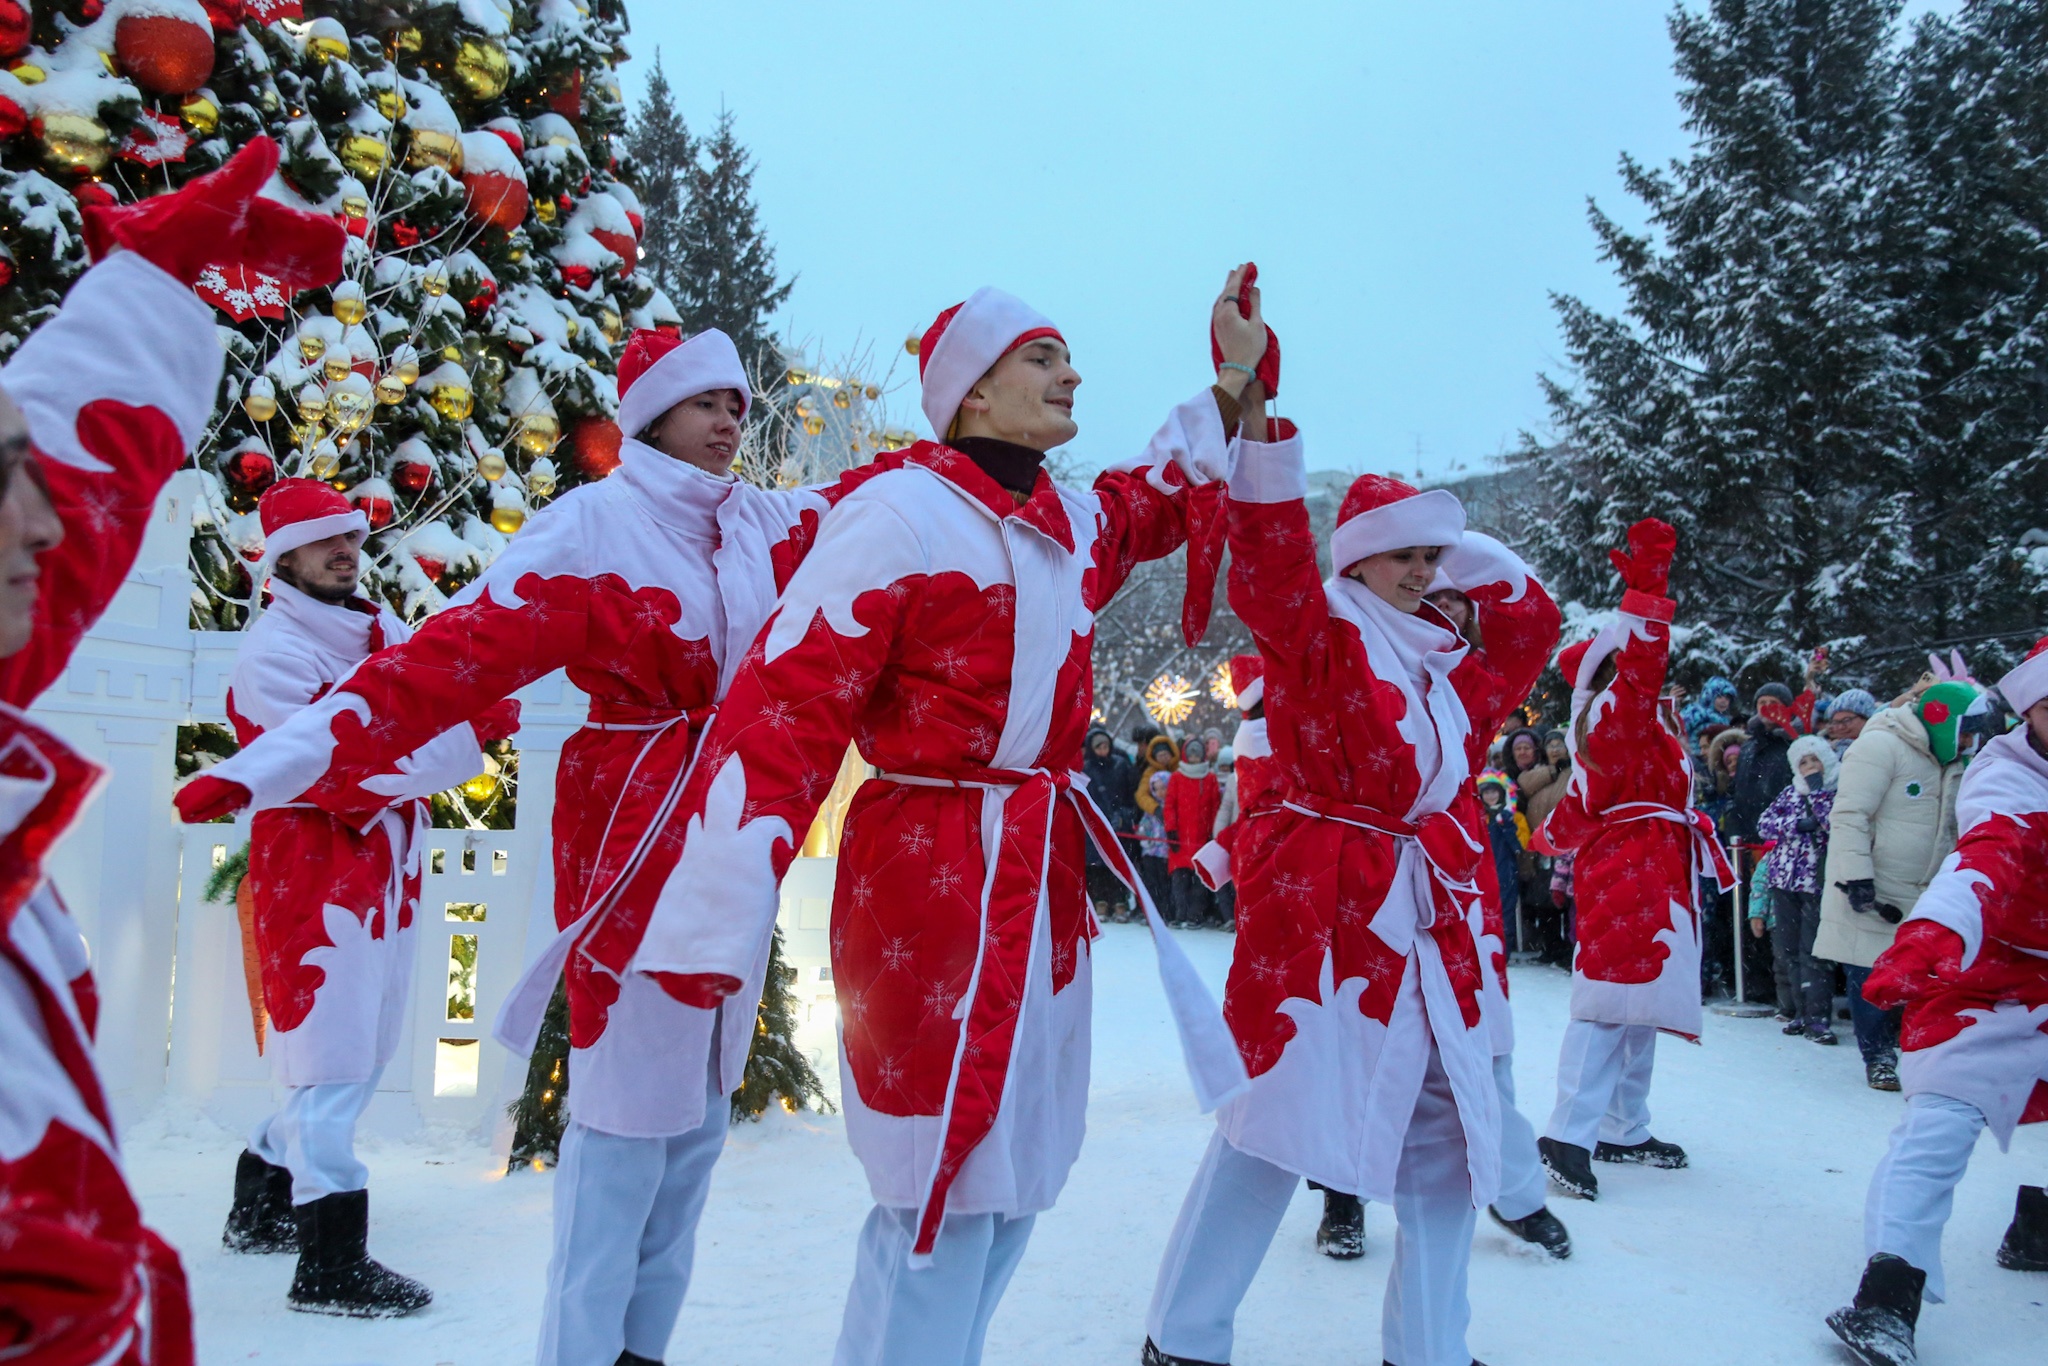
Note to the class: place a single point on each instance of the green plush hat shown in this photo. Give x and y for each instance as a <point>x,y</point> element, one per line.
<point>1940,710</point>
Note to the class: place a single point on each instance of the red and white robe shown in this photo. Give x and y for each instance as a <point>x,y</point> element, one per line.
<point>113,408</point>
<point>1981,1036</point>
<point>1641,846</point>
<point>335,897</point>
<point>1359,915</point>
<point>946,629</point>
<point>1256,785</point>
<point>646,586</point>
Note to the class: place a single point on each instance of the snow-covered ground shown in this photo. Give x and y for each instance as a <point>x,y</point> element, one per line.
<point>1733,1261</point>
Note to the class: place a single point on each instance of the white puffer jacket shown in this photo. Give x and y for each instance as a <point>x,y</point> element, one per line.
<point>1894,821</point>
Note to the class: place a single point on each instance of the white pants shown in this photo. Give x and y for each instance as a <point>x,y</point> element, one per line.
<point>1914,1186</point>
<point>897,1315</point>
<point>626,1212</point>
<point>1234,1208</point>
<point>1603,1084</point>
<point>314,1134</point>
<point>1523,1187</point>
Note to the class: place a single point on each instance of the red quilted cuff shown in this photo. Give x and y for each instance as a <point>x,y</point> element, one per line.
<point>1648,606</point>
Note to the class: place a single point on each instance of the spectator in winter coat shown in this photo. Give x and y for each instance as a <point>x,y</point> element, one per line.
<point>1723,752</point>
<point>1893,822</point>
<point>1508,835</point>
<point>1764,770</point>
<point>1161,756</point>
<point>1111,782</point>
<point>1797,824</point>
<point>1152,839</point>
<point>1846,717</point>
<point>1543,785</point>
<point>1713,710</point>
<point>1189,813</point>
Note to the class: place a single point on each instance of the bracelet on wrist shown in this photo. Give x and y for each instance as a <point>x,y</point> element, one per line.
<point>1246,370</point>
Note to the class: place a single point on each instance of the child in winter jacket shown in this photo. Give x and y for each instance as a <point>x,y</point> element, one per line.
<point>1189,816</point>
<point>1152,840</point>
<point>1508,835</point>
<point>1796,822</point>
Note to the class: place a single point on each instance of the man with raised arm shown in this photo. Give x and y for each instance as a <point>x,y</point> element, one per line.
<point>95,415</point>
<point>943,623</point>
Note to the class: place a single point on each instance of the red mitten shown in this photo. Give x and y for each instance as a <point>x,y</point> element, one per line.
<point>1646,567</point>
<point>704,990</point>
<point>1269,364</point>
<point>499,721</point>
<point>1925,954</point>
<point>207,798</point>
<point>221,219</point>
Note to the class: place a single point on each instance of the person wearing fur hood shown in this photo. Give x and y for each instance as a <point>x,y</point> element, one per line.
<point>1796,822</point>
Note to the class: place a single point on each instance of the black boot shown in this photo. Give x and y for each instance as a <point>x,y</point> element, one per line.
<point>261,1220</point>
<point>628,1359</point>
<point>336,1274</point>
<point>1878,1327</point>
<point>2026,1239</point>
<point>1342,1234</point>
<point>1152,1356</point>
<point>1651,1152</point>
<point>1570,1168</point>
<point>1882,1073</point>
<point>1542,1228</point>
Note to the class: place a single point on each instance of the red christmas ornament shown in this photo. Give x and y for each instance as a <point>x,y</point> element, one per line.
<point>17,28</point>
<point>6,272</point>
<point>621,245</point>
<point>163,54</point>
<point>249,470</point>
<point>578,277</point>
<point>594,443</point>
<point>568,101</point>
<point>498,200</point>
<point>356,227</point>
<point>94,193</point>
<point>89,11</point>
<point>565,204</point>
<point>404,233</point>
<point>378,510</point>
<point>486,295</point>
<point>413,477</point>
<point>430,566</point>
<point>639,222</point>
<point>13,122</point>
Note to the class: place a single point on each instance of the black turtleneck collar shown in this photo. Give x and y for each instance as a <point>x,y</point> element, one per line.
<point>1013,466</point>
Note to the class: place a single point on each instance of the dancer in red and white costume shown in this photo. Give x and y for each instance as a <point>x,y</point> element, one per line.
<point>1255,779</point>
<point>334,898</point>
<point>1970,966</point>
<point>106,412</point>
<point>647,586</point>
<point>1642,853</point>
<point>944,623</point>
<point>1355,989</point>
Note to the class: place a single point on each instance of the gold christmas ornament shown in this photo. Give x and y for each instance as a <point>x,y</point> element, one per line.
<point>911,343</point>
<point>324,48</point>
<point>348,411</point>
<point>336,367</point>
<point>452,401</point>
<point>350,307</point>
<point>571,327</point>
<point>312,402</point>
<point>312,346</point>
<point>390,103</point>
<point>491,465</point>
<point>430,147</point>
<point>73,142</point>
<point>407,370</point>
<point>796,376</point>
<point>201,113</point>
<point>508,519</point>
<point>536,433</point>
<point>435,281</point>
<point>611,324</point>
<point>390,390</point>
<point>406,41</point>
<point>483,786</point>
<point>260,403</point>
<point>28,73</point>
<point>540,482</point>
<point>544,210</point>
<point>355,206</point>
<point>841,399</point>
<point>482,68</point>
<point>326,461</point>
<point>364,155</point>
<point>814,425</point>
<point>872,393</point>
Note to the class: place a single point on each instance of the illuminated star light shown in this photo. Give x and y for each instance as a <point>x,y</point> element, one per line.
<point>1170,699</point>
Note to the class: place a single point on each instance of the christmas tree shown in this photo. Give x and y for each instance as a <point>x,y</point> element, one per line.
<point>460,374</point>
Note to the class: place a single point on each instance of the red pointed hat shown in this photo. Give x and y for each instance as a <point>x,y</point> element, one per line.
<point>298,512</point>
<point>964,341</point>
<point>2027,682</point>
<point>656,372</point>
<point>1380,513</point>
<point>1248,680</point>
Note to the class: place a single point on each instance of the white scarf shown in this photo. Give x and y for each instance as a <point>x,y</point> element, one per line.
<point>1414,652</point>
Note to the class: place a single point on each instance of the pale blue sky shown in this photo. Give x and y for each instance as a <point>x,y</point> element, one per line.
<point>1411,178</point>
